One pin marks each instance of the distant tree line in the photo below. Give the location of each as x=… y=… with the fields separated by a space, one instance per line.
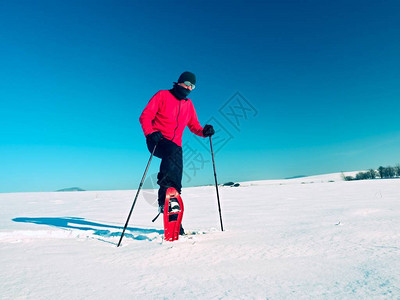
x=381 y=172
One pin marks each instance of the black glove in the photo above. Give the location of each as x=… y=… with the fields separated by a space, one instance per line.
x=208 y=130
x=155 y=137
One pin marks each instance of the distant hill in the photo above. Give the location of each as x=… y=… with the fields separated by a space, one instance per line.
x=298 y=176
x=72 y=189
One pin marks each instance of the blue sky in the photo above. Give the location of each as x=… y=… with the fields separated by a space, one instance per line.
x=318 y=82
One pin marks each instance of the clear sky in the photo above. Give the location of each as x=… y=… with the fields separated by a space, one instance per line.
x=292 y=87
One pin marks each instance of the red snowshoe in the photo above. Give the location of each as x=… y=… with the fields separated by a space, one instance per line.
x=173 y=213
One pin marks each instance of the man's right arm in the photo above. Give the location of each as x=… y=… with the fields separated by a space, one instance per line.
x=149 y=113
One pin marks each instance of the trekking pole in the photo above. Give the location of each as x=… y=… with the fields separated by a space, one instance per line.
x=137 y=194
x=216 y=185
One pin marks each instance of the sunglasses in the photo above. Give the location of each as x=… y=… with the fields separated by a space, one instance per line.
x=188 y=83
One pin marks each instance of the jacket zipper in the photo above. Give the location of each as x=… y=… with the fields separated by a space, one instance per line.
x=177 y=119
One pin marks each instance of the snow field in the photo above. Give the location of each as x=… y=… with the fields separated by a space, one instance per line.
x=289 y=239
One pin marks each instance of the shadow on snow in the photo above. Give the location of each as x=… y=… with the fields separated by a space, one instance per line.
x=99 y=229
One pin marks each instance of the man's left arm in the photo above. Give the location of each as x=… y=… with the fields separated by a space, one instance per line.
x=194 y=124
x=196 y=128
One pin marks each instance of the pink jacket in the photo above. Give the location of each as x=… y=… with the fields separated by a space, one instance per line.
x=170 y=116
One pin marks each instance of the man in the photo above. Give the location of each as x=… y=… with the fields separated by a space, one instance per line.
x=163 y=121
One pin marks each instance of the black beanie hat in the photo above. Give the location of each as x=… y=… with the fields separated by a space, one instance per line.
x=187 y=76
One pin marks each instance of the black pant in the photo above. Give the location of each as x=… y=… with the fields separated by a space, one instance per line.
x=171 y=166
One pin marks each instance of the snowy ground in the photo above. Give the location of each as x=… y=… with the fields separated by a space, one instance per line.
x=306 y=238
